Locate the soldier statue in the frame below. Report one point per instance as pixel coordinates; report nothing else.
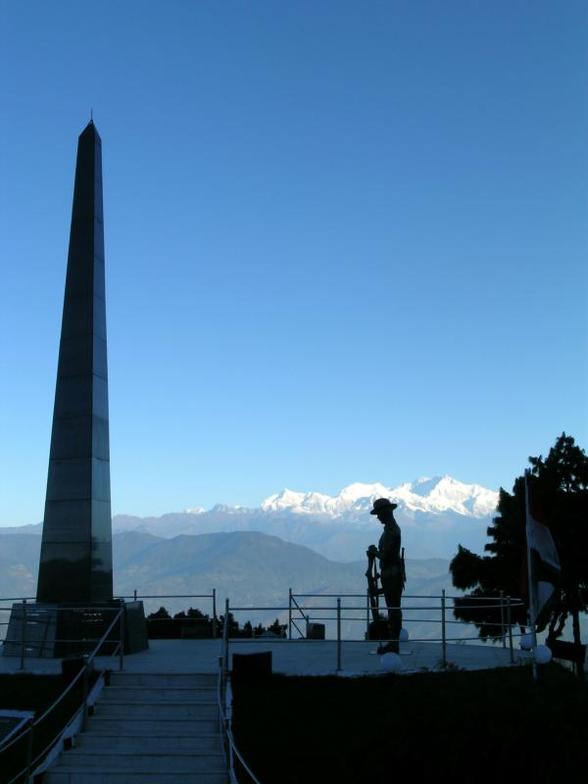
(392, 572)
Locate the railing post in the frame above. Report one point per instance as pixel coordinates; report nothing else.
(225, 669)
(338, 633)
(23, 635)
(214, 618)
(221, 713)
(231, 759)
(289, 613)
(367, 615)
(135, 595)
(502, 623)
(226, 635)
(85, 696)
(29, 752)
(509, 622)
(443, 631)
(121, 651)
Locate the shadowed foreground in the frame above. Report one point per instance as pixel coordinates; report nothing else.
(466, 726)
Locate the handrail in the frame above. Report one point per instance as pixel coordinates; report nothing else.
(479, 603)
(226, 726)
(233, 750)
(504, 603)
(239, 756)
(362, 609)
(298, 629)
(291, 621)
(50, 745)
(135, 595)
(83, 673)
(168, 596)
(286, 641)
(70, 685)
(17, 737)
(404, 611)
(33, 616)
(405, 595)
(212, 596)
(298, 607)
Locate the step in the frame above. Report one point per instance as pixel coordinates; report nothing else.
(90, 741)
(154, 727)
(172, 762)
(152, 694)
(160, 710)
(82, 776)
(194, 680)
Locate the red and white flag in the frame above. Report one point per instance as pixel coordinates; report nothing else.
(543, 563)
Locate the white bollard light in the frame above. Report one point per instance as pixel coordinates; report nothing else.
(526, 642)
(542, 654)
(404, 635)
(391, 662)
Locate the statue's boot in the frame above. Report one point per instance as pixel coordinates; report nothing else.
(389, 647)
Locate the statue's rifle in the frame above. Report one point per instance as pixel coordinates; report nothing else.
(373, 591)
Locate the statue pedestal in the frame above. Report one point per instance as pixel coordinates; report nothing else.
(49, 631)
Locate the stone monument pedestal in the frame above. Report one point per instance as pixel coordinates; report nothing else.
(47, 631)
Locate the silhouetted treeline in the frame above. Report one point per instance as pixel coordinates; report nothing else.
(195, 624)
(559, 488)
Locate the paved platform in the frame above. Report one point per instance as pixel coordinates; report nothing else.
(292, 657)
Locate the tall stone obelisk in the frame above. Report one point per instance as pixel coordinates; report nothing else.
(76, 549)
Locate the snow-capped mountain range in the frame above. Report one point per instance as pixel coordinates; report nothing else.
(436, 495)
(435, 514)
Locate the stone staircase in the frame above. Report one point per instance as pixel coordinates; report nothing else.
(156, 729)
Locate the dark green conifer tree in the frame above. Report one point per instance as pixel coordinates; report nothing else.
(560, 483)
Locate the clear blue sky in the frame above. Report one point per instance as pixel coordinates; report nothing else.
(345, 241)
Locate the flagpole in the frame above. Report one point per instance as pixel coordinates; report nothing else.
(532, 598)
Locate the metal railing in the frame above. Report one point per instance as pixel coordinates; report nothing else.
(224, 699)
(32, 641)
(187, 620)
(293, 606)
(37, 629)
(505, 604)
(305, 608)
(31, 617)
(83, 675)
(338, 613)
(297, 610)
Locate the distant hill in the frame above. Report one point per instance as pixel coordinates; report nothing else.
(251, 568)
(19, 563)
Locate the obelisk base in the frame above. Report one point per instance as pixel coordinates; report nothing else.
(49, 631)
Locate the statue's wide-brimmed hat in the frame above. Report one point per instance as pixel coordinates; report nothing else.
(383, 503)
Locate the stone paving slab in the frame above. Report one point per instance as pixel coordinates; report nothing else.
(295, 657)
(306, 657)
